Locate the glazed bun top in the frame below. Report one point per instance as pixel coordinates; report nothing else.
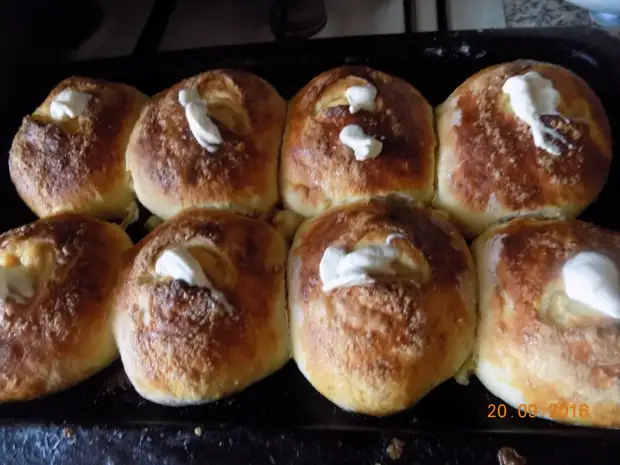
(432, 249)
(173, 170)
(62, 164)
(528, 257)
(318, 170)
(492, 167)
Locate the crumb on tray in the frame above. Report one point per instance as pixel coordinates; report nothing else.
(395, 449)
(509, 456)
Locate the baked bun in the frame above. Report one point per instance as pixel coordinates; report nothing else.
(318, 170)
(195, 339)
(57, 277)
(379, 346)
(69, 155)
(490, 168)
(539, 349)
(173, 169)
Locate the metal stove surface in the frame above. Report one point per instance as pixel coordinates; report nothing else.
(162, 25)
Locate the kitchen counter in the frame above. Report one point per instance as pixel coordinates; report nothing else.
(547, 13)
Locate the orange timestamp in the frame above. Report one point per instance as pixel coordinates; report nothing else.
(551, 410)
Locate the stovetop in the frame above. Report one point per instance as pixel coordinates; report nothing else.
(161, 25)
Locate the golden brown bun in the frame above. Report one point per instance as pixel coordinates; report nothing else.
(535, 345)
(181, 346)
(318, 171)
(488, 167)
(172, 171)
(63, 334)
(78, 166)
(378, 348)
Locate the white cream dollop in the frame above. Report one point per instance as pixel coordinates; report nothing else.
(15, 283)
(179, 264)
(203, 128)
(593, 280)
(341, 269)
(69, 104)
(361, 98)
(364, 146)
(531, 97)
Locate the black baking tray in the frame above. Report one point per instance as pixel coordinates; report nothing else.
(282, 419)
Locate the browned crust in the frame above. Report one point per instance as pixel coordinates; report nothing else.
(63, 334)
(548, 360)
(77, 166)
(172, 171)
(378, 348)
(318, 171)
(177, 343)
(489, 168)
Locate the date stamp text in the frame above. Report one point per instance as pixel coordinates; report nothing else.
(551, 410)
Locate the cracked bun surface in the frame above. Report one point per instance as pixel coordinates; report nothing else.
(536, 346)
(172, 171)
(318, 171)
(184, 344)
(489, 168)
(61, 333)
(377, 348)
(77, 165)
